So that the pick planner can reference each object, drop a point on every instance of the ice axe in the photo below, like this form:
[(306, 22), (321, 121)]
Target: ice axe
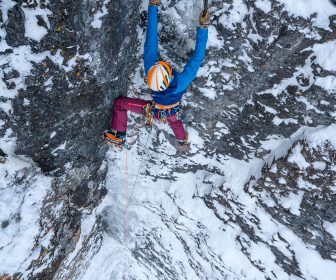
[(205, 9)]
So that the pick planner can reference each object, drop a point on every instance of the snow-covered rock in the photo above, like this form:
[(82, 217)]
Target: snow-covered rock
[(253, 198)]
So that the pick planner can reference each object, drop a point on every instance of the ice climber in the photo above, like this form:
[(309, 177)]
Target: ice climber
[(166, 84)]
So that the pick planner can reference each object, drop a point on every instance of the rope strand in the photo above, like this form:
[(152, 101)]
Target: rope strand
[(129, 200), (126, 214), (137, 176)]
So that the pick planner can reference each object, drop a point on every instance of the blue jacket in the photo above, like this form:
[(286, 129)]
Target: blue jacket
[(181, 80)]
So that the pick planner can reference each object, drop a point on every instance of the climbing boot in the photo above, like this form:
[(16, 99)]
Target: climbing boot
[(114, 137), (183, 144)]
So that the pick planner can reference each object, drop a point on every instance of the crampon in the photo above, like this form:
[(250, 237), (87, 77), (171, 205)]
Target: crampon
[(183, 145), (111, 138)]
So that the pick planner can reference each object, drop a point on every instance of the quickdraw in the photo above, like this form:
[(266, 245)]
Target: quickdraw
[(148, 114)]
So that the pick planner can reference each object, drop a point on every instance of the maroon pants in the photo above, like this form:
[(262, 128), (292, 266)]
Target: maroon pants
[(123, 104)]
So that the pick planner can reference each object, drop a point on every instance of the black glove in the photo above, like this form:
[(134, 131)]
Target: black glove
[(204, 19), (154, 2)]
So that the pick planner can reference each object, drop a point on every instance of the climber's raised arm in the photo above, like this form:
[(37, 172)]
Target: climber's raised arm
[(151, 55), (190, 70)]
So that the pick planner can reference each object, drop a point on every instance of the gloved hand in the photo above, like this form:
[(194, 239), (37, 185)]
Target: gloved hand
[(204, 19), (154, 2)]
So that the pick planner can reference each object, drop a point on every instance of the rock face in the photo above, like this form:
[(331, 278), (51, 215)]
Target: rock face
[(254, 197), (58, 115), (15, 27), (315, 170), (69, 109)]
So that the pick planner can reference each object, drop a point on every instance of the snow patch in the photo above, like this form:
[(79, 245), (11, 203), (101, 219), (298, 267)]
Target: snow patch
[(321, 135), (22, 191), (331, 228), (278, 121), (32, 29), (208, 92), (26, 102), (213, 38), (264, 5), (60, 147), (97, 22), (235, 15), (320, 10), (325, 55), (292, 202), (328, 83), (319, 165), (297, 158)]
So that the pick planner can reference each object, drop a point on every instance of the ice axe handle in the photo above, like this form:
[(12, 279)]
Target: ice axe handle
[(205, 10)]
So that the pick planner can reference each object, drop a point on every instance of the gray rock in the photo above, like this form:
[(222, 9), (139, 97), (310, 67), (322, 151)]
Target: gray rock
[(76, 109), (15, 27)]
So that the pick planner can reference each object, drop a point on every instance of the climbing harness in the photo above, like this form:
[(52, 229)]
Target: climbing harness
[(161, 112), (166, 107)]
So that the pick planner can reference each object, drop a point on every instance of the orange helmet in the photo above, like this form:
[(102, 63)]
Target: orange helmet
[(159, 76)]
